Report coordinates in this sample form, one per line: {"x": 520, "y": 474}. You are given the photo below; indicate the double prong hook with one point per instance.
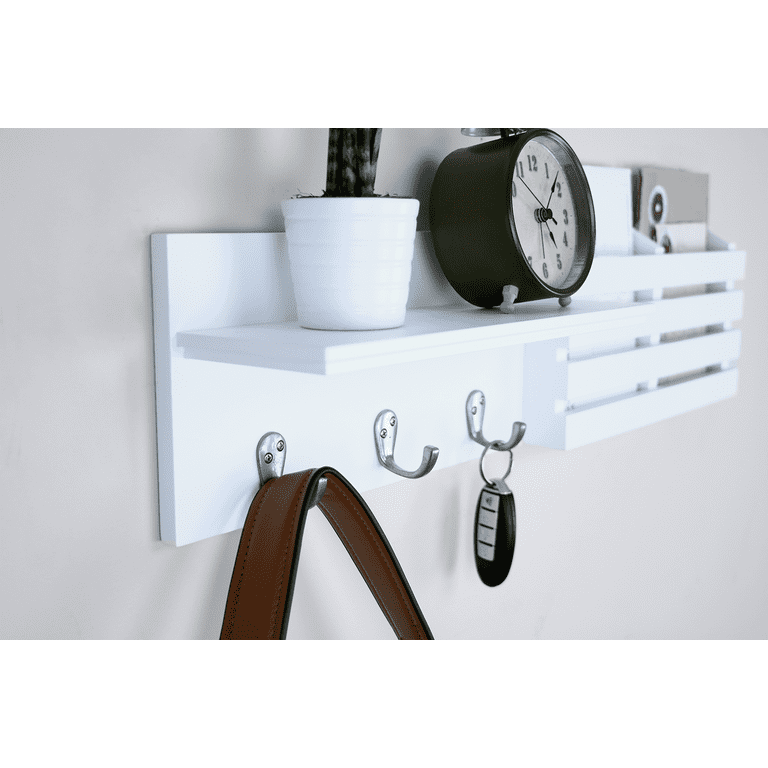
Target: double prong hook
{"x": 385, "y": 434}
{"x": 270, "y": 460}
{"x": 475, "y": 414}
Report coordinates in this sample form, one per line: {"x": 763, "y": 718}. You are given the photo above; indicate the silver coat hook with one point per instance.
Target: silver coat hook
{"x": 475, "y": 414}
{"x": 385, "y": 434}
{"x": 270, "y": 460}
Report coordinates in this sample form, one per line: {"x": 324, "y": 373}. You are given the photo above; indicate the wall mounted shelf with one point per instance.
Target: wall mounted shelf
{"x": 647, "y": 337}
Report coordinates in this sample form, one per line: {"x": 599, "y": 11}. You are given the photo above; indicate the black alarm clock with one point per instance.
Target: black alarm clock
{"x": 514, "y": 214}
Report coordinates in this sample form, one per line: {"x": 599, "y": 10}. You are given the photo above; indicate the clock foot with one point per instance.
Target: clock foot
{"x": 509, "y": 292}
{"x": 565, "y": 301}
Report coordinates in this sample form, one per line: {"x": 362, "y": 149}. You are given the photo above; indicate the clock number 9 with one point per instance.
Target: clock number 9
{"x": 514, "y": 190}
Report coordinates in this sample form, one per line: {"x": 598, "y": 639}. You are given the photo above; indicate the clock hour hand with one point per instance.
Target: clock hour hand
{"x": 552, "y": 191}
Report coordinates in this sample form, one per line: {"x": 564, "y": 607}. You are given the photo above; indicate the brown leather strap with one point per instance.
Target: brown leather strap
{"x": 261, "y": 590}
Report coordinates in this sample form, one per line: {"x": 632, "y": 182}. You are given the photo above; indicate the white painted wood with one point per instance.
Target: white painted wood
{"x": 715, "y": 243}
{"x": 427, "y": 333}
{"x": 589, "y": 387}
{"x": 695, "y": 311}
{"x": 643, "y": 245}
{"x": 624, "y": 370}
{"x": 228, "y": 297}
{"x": 610, "y": 275}
{"x": 211, "y": 415}
{"x": 554, "y": 422}
{"x": 615, "y": 417}
{"x": 611, "y": 190}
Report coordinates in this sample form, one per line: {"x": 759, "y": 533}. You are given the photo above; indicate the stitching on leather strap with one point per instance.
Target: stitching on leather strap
{"x": 233, "y": 612}
{"x": 355, "y": 507}
{"x": 299, "y": 498}
{"x": 351, "y": 550}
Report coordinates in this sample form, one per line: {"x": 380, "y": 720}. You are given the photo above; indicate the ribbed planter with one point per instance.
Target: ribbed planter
{"x": 350, "y": 260}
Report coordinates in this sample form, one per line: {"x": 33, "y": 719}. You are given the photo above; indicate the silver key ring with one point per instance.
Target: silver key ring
{"x": 495, "y": 445}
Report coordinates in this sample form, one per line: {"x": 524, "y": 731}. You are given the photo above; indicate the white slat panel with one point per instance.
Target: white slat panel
{"x": 589, "y": 424}
{"x": 624, "y": 370}
{"x": 695, "y": 311}
{"x": 616, "y": 274}
{"x": 580, "y": 390}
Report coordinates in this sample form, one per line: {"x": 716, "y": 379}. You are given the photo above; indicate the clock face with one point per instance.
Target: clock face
{"x": 543, "y": 214}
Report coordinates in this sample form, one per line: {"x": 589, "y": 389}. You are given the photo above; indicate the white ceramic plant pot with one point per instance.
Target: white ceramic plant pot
{"x": 350, "y": 260}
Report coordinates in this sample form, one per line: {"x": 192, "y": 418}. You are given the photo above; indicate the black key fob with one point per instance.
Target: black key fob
{"x": 494, "y": 533}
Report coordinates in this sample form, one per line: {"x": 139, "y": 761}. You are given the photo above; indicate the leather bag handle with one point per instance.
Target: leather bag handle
{"x": 261, "y": 591}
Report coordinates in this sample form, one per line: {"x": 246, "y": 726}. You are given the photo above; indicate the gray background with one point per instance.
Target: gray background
{"x": 659, "y": 533}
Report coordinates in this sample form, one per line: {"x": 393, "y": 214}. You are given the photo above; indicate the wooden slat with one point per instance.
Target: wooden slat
{"x": 624, "y": 370}
{"x": 616, "y": 274}
{"x": 589, "y": 424}
{"x": 696, "y": 311}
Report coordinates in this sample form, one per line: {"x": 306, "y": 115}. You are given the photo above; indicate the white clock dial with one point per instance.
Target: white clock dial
{"x": 542, "y": 213}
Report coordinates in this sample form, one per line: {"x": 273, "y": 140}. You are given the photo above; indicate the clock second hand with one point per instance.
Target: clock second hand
{"x": 531, "y": 191}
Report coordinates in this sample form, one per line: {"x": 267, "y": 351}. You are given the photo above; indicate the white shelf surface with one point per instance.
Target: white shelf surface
{"x": 427, "y": 333}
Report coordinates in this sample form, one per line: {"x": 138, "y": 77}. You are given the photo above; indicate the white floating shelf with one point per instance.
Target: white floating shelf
{"x": 231, "y": 364}
{"x": 427, "y": 333}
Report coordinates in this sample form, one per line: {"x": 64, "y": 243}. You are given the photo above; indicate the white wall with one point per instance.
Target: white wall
{"x": 660, "y": 533}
